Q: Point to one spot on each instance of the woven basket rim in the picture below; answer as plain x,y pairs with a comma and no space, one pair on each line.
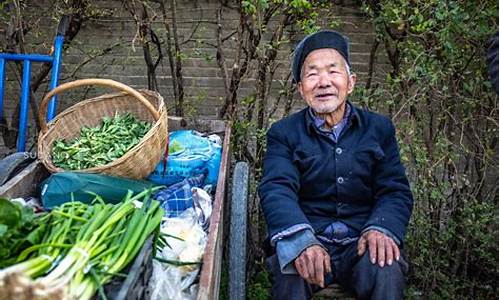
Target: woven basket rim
101,98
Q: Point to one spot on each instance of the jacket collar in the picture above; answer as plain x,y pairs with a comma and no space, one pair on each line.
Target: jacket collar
354,118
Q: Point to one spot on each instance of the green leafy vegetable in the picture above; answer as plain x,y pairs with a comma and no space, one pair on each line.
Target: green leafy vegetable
10,214
97,146
18,230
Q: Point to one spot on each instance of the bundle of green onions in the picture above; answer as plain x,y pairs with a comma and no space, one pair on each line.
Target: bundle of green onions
85,247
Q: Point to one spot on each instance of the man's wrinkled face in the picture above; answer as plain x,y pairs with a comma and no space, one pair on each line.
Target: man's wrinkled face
325,82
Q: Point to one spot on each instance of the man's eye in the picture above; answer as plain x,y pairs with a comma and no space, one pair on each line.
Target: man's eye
311,74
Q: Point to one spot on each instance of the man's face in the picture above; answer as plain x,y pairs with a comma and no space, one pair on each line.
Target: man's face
325,82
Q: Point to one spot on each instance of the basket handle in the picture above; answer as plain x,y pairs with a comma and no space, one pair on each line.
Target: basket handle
91,81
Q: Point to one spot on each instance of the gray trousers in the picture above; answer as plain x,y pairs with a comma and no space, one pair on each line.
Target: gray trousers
354,273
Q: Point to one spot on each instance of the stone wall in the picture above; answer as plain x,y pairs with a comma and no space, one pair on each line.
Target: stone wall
124,61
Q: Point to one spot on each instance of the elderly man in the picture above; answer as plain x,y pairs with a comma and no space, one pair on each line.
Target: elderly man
334,192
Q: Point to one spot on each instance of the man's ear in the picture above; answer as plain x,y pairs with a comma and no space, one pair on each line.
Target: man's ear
299,88
352,83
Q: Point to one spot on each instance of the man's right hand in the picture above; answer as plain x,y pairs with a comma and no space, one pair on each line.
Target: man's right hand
312,265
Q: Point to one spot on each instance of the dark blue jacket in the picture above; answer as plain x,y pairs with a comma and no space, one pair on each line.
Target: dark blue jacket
359,180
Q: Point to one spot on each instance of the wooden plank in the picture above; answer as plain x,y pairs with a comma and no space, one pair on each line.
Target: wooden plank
25,183
212,259
205,126
333,291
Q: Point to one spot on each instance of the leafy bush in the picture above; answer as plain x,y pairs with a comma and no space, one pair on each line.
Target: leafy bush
446,112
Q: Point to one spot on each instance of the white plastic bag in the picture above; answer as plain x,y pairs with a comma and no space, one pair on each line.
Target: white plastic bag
171,283
176,282
203,206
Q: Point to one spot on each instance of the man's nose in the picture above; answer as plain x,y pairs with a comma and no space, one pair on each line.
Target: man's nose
324,81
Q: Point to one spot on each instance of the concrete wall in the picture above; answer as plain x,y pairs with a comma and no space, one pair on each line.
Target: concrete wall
114,32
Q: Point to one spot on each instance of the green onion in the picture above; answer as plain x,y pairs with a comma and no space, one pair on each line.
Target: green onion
85,247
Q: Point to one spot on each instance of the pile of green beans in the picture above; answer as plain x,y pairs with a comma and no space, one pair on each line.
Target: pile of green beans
97,146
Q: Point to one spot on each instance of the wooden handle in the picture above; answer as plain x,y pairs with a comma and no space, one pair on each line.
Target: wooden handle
91,81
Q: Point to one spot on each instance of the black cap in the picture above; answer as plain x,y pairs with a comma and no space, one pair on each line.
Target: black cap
319,40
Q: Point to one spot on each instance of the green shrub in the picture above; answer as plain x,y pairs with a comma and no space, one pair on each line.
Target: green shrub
439,96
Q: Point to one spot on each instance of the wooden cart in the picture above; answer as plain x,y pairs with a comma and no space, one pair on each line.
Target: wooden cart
26,183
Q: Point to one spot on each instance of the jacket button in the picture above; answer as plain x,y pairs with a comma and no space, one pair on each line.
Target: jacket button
340,180
338,150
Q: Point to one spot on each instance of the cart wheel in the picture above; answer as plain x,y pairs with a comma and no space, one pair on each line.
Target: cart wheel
238,233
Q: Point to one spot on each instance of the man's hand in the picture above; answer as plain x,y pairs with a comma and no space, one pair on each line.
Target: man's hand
312,264
381,247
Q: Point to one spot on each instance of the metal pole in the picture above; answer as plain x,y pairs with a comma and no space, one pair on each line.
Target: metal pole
32,57
54,79
23,114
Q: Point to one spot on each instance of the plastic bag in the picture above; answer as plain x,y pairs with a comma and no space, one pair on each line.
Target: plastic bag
214,163
171,284
60,187
203,206
190,154
176,282
194,238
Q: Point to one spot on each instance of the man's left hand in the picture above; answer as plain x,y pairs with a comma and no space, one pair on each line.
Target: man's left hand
381,247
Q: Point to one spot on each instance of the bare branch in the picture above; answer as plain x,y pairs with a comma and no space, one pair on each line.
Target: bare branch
194,30
229,35
91,57
139,12
284,88
373,56
170,51
221,60
290,99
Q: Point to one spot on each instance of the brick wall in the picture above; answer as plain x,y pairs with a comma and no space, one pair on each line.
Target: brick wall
204,88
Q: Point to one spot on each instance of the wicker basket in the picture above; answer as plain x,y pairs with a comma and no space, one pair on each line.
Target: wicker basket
146,105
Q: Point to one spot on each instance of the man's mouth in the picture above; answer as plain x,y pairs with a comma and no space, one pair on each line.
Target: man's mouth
324,96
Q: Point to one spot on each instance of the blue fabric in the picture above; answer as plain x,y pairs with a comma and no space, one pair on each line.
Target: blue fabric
176,198
359,180
354,273
292,241
338,227
289,231
289,248
338,233
336,131
333,134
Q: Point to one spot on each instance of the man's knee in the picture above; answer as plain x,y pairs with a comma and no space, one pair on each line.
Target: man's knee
286,286
370,279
